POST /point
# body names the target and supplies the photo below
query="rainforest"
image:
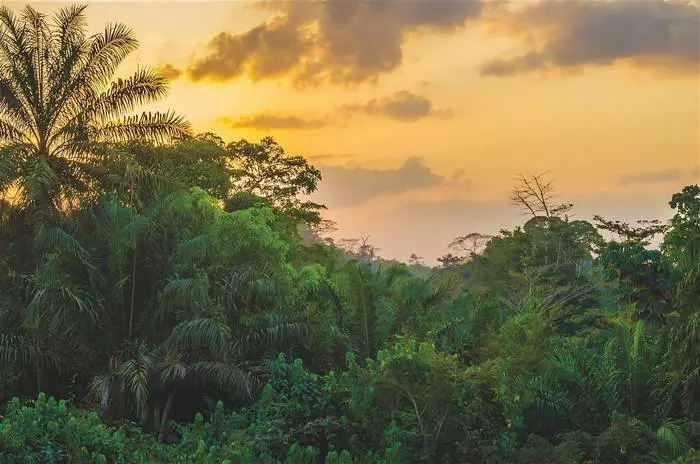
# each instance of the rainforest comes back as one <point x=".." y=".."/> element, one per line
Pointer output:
<point x="172" y="297"/>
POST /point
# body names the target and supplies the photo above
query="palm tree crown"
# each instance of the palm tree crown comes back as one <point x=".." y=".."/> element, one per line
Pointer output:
<point x="59" y="109"/>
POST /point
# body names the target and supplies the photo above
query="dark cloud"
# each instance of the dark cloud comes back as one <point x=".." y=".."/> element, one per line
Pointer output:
<point x="667" y="175"/>
<point x="267" y="50"/>
<point x="574" y="34"/>
<point x="335" y="41"/>
<point x="402" y="106"/>
<point x="268" y="121"/>
<point x="343" y="186"/>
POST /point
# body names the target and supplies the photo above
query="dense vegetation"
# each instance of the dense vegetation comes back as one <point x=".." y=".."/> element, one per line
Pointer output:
<point x="177" y="293"/>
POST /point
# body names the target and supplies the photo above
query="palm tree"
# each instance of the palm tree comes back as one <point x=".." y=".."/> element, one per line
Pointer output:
<point x="196" y="324"/>
<point x="583" y="388"/>
<point x="368" y="304"/>
<point x="59" y="113"/>
<point x="684" y="343"/>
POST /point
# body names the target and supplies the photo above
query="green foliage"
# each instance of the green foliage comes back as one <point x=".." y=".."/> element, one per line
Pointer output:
<point x="264" y="169"/>
<point x="645" y="279"/>
<point x="159" y="282"/>
<point x="59" y="113"/>
<point x="51" y="432"/>
<point x="685" y="224"/>
<point x="136" y="308"/>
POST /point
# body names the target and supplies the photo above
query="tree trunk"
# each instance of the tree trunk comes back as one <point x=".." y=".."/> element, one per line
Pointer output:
<point x="163" y="430"/>
<point x="133" y="294"/>
<point x="40" y="379"/>
<point x="155" y="422"/>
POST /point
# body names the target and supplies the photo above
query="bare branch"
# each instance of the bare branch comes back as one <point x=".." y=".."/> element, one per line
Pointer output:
<point x="473" y="243"/>
<point x="535" y="196"/>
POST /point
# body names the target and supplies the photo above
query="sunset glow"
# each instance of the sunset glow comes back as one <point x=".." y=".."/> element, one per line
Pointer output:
<point x="420" y="114"/>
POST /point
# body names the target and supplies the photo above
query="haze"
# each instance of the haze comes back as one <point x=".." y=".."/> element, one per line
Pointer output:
<point x="420" y="114"/>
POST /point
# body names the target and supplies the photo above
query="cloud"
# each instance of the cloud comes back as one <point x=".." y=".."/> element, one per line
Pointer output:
<point x="169" y="72"/>
<point x="321" y="157"/>
<point x="574" y="34"/>
<point x="268" y="50"/>
<point x="343" y="186"/>
<point x="340" y="42"/>
<point x="402" y="106"/>
<point x="667" y="175"/>
<point x="264" y="121"/>
<point x="459" y="177"/>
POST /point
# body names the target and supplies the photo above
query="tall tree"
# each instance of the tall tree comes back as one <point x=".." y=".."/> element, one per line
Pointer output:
<point x="59" y="111"/>
<point x="536" y="196"/>
<point x="642" y="233"/>
<point x="264" y="169"/>
<point x="472" y="243"/>
<point x="684" y="226"/>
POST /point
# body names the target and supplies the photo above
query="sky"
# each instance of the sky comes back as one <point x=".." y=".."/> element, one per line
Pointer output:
<point x="420" y="114"/>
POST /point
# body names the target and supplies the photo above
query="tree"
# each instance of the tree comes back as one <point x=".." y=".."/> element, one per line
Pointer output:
<point x="472" y="243"/>
<point x="198" y="161"/>
<point x="450" y="260"/>
<point x="265" y="170"/>
<point x="365" y="291"/>
<point x="684" y="350"/>
<point x="318" y="233"/>
<point x="535" y="196"/>
<point x="359" y="249"/>
<point x="197" y="314"/>
<point x="59" y="112"/>
<point x="642" y="233"/>
<point x="684" y="227"/>
<point x="553" y="249"/>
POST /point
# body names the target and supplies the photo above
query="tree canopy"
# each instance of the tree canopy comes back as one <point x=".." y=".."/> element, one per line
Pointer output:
<point x="168" y="297"/>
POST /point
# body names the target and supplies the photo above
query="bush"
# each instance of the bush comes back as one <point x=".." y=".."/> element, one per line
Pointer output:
<point x="48" y="431"/>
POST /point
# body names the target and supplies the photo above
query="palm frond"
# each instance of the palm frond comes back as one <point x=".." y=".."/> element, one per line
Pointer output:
<point x="171" y="369"/>
<point x="226" y="376"/>
<point x="153" y="127"/>
<point x="202" y="333"/>
<point x="194" y="250"/>
<point x="274" y="330"/>
<point x="191" y="293"/>
<point x="125" y="95"/>
<point x="54" y="103"/>
<point x="9" y="131"/>
<point x="102" y="388"/>
<point x="135" y="372"/>
<point x="673" y="438"/>
<point x="11" y="164"/>
<point x="13" y="349"/>
<point x="17" y="70"/>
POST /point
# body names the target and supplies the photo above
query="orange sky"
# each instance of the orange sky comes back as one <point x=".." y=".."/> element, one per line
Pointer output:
<point x="420" y="114"/>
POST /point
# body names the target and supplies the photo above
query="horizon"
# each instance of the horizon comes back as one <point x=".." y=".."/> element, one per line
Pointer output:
<point x="436" y="117"/>
<point x="350" y="232"/>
